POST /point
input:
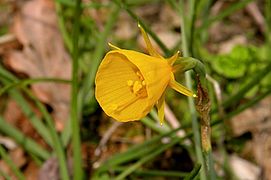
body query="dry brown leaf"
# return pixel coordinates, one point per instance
(18, 157)
(31, 171)
(262, 151)
(169, 18)
(258, 121)
(244, 169)
(43, 55)
(49, 170)
(125, 27)
(8, 42)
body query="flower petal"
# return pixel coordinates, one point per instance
(113, 46)
(180, 88)
(113, 90)
(173, 58)
(156, 72)
(150, 48)
(161, 108)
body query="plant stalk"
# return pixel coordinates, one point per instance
(75, 121)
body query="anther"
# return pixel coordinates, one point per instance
(139, 75)
(136, 87)
(130, 83)
(143, 83)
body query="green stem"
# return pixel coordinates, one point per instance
(27, 82)
(192, 109)
(226, 12)
(63, 30)
(55, 138)
(241, 108)
(147, 158)
(11, 164)
(153, 125)
(152, 172)
(26, 108)
(55, 141)
(203, 106)
(146, 28)
(75, 122)
(137, 151)
(194, 172)
(184, 64)
(87, 91)
(28, 144)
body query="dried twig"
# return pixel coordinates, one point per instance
(106, 137)
(257, 16)
(8, 41)
(173, 121)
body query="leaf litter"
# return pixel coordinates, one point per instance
(43, 55)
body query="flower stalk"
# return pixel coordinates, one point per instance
(203, 106)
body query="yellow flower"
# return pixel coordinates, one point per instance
(130, 83)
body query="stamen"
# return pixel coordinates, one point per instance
(140, 76)
(143, 83)
(137, 87)
(130, 83)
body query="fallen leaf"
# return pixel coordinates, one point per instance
(8, 42)
(244, 169)
(43, 55)
(257, 120)
(31, 171)
(262, 153)
(18, 157)
(50, 169)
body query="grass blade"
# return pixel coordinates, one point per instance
(28, 144)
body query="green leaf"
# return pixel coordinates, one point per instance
(236, 63)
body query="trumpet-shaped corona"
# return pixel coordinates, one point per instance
(129, 83)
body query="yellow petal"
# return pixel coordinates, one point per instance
(161, 108)
(129, 83)
(180, 88)
(114, 89)
(113, 46)
(156, 72)
(150, 48)
(173, 58)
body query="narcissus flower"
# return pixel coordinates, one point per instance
(129, 83)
